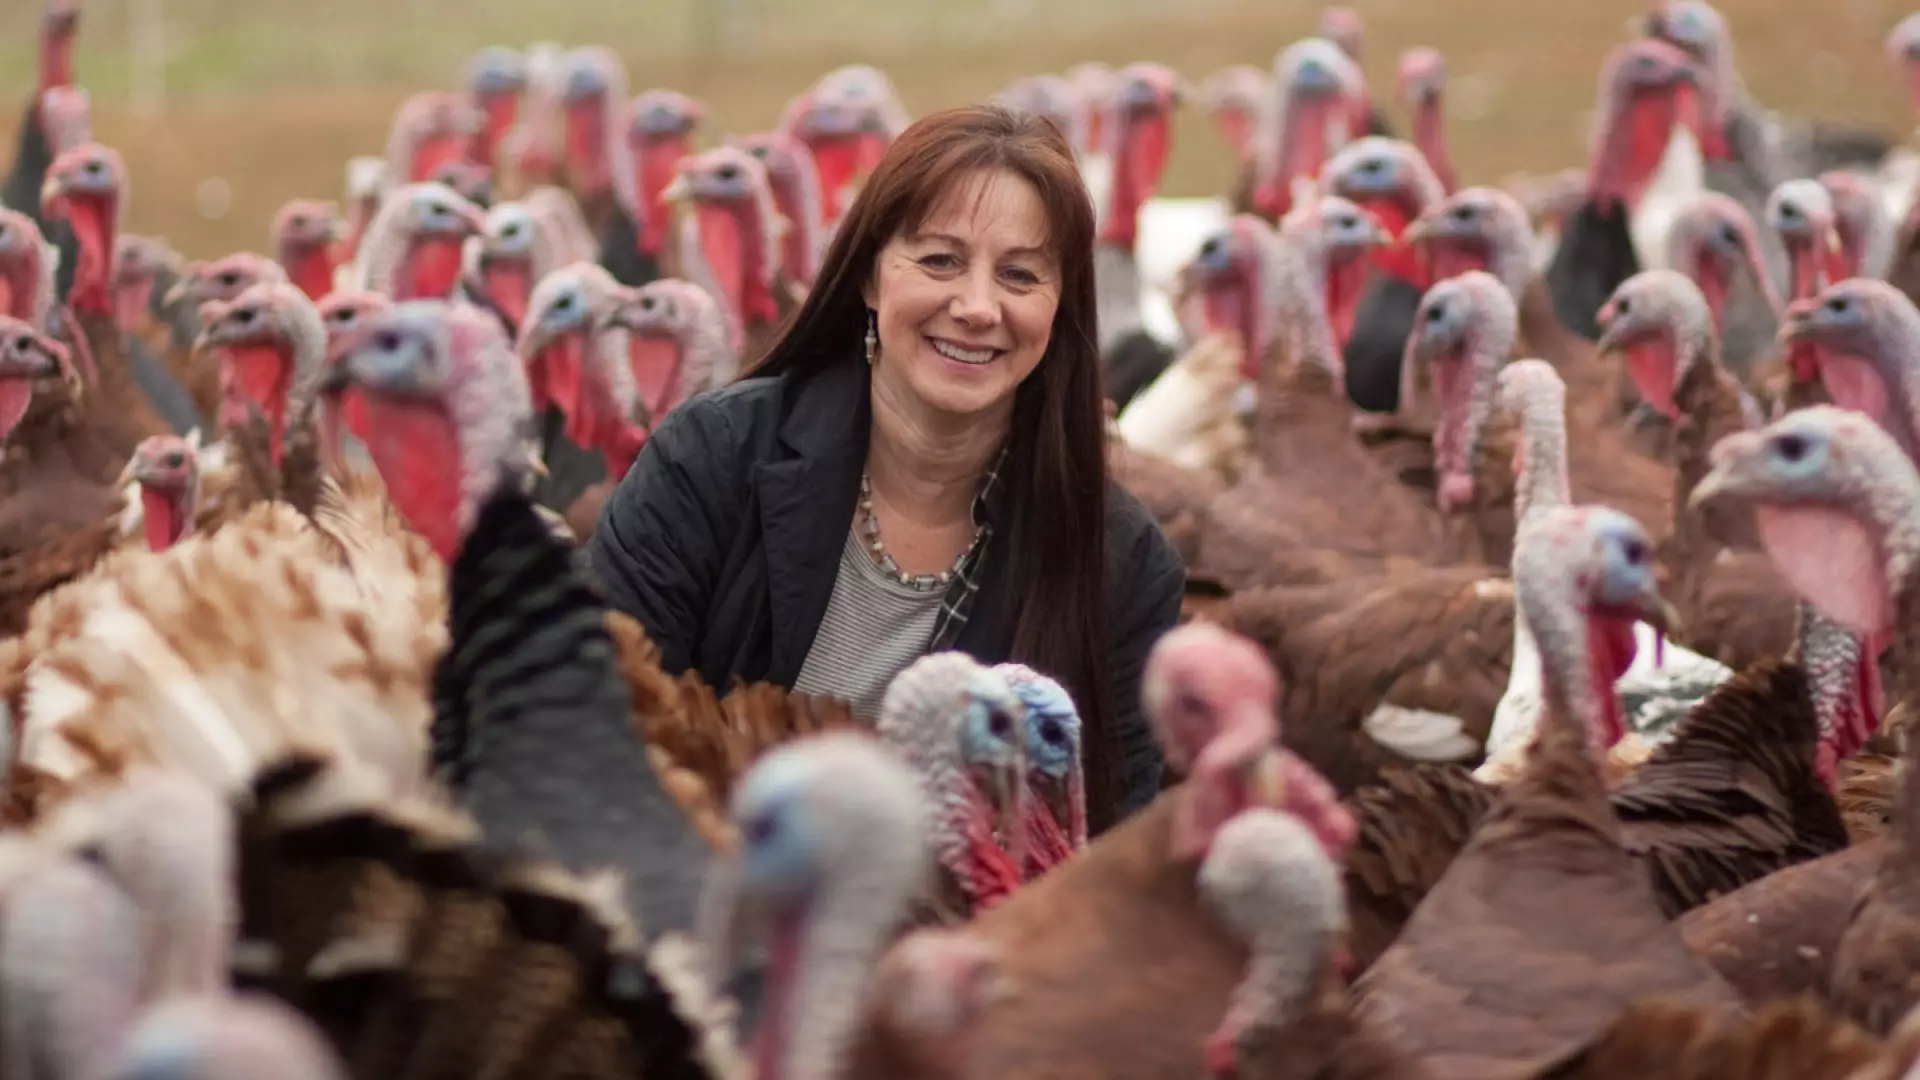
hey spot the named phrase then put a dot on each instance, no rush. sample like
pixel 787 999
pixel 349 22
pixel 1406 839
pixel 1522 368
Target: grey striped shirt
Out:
pixel 874 628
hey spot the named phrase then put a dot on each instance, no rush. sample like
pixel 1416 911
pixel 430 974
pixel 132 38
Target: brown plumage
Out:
pixel 1310 487
pixel 1776 937
pixel 1413 822
pixel 1543 929
pixel 701 743
pixel 1731 798
pixel 1177 497
pixel 1438 640
pixel 1663 1040
pixel 1734 795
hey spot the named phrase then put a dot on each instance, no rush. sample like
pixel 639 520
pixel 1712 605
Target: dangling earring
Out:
pixel 873 334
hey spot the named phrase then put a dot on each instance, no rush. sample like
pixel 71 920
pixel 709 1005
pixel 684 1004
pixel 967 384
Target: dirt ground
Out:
pixel 267 98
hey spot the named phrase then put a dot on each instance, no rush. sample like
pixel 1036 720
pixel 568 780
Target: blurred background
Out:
pixel 226 108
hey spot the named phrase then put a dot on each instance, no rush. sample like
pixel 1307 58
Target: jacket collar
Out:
pixel 828 411
pixel 806 506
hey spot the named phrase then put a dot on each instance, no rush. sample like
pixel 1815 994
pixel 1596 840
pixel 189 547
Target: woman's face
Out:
pixel 966 304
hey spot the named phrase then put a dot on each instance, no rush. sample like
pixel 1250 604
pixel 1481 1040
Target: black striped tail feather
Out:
pixel 420 954
pixel 533 726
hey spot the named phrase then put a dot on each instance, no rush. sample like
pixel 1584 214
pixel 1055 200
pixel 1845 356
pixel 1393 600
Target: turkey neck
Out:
pixel 1709 404
pixel 1561 786
pixel 1303 407
pixel 1543 463
pixel 842 936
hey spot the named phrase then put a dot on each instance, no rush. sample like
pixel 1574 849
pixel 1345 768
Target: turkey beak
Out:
pixel 1654 610
pixel 679 189
pixel 1728 475
pixel 334 380
pixel 1611 331
pixel 1264 779
pixel 1421 229
pixel 183 289
pixel 1797 325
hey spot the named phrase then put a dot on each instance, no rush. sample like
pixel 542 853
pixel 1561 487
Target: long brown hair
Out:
pixel 1048 555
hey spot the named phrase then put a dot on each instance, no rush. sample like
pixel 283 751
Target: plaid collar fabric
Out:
pixel 958 602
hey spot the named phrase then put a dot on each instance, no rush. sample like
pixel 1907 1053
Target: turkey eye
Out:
pixel 1461 213
pixel 1791 447
pixel 173 460
pixel 760 829
pixel 228 279
pixel 1837 305
pixel 386 341
pixel 1789 211
pixel 1436 313
pixel 1636 552
pixel 727 173
pixel 1622 306
pixel 243 316
pixel 1052 733
pixel 510 232
pixel 999 724
pixel 1728 235
pixel 648 303
pixel 1211 248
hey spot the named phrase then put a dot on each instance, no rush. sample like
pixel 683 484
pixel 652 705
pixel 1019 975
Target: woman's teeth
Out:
pixel 964 356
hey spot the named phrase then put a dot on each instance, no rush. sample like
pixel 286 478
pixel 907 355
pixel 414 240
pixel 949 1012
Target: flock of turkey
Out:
pixel 1540 710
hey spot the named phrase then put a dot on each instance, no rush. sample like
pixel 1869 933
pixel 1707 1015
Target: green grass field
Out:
pixel 267 98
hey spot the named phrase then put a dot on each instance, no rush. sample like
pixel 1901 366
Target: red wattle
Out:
pixel 417 449
pixel 430 271
pixel 312 272
pixel 659 161
pixel 655 363
pixel 837 159
pixel 509 284
pixel 16 394
pixel 586 146
pixel 258 374
pixel 161 516
pixel 1650 364
pixel 723 242
pixel 432 153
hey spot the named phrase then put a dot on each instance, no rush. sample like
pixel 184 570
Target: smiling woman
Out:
pixel 917 464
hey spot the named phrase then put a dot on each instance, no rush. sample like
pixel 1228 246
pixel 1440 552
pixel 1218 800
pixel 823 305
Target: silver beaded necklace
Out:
pixel 878 548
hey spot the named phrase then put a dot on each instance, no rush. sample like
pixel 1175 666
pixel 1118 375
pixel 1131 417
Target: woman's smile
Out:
pixel 960 353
